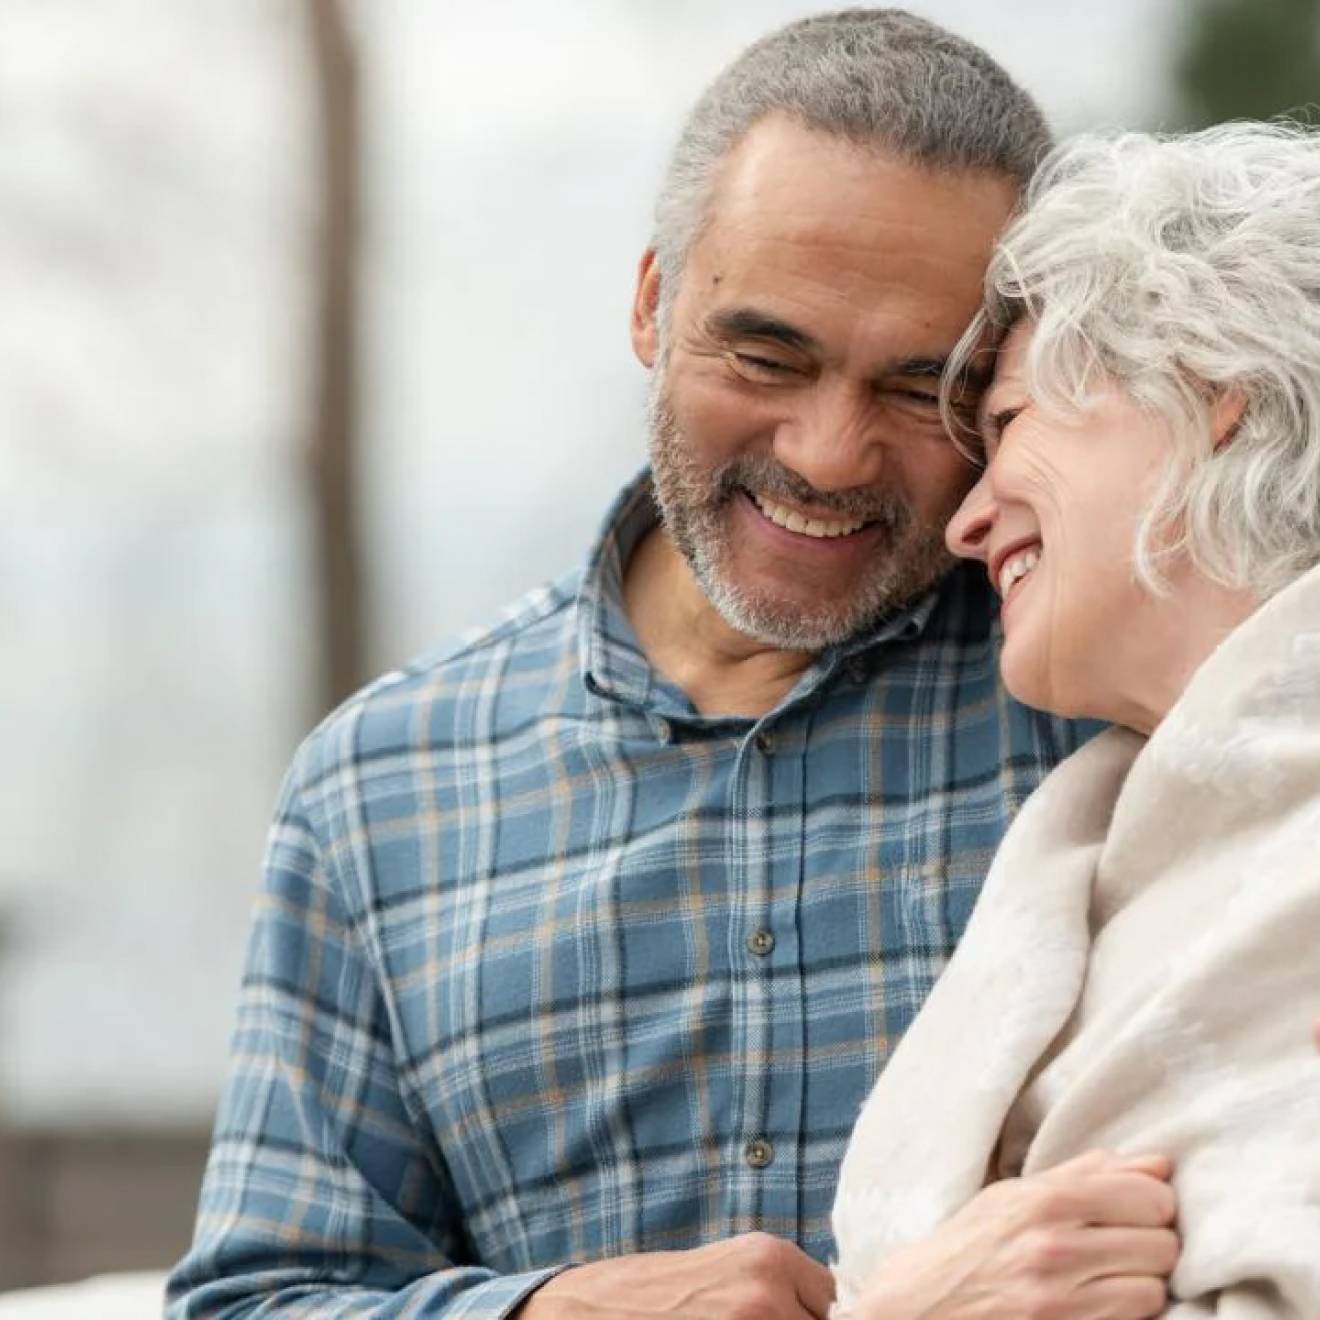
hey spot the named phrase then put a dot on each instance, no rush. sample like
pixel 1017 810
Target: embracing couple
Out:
pixel 582 945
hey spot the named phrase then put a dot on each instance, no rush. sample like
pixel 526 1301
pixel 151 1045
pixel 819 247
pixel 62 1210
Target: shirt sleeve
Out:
pixel 322 1195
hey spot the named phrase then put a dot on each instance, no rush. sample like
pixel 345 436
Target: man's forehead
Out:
pixel 779 149
pixel 781 166
pixel 848 228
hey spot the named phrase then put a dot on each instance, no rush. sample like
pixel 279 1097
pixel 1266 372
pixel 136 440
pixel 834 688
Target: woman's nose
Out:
pixel 969 528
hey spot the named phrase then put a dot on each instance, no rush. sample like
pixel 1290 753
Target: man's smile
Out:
pixel 805 524
pixel 808 536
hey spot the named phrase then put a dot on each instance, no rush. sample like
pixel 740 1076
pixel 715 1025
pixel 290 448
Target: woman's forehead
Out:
pixel 1011 357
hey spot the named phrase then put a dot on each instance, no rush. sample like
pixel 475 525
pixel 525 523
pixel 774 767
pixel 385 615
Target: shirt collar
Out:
pixel 613 665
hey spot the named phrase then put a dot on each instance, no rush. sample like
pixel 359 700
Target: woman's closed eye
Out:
pixel 993 426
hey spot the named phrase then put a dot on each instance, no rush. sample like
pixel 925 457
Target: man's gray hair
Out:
pixel 1185 269
pixel 881 78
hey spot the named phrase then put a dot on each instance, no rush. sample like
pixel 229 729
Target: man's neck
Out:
pixel 722 671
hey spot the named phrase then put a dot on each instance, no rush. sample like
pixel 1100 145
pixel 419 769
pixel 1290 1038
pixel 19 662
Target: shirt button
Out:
pixel 760 942
pixel 765 742
pixel 759 1153
pixel 664 731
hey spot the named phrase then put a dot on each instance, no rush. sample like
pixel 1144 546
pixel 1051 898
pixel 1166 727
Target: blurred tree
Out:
pixel 333 468
pixel 1247 59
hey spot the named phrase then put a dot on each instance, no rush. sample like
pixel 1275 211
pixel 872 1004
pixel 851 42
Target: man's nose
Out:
pixel 833 440
pixel 968 532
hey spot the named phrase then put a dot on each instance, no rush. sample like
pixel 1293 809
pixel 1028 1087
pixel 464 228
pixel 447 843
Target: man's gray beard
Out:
pixel 910 556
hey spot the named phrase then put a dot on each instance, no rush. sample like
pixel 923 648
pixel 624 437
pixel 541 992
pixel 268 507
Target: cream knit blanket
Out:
pixel 1140 974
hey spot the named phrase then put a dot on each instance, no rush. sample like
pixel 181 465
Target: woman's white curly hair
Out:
pixel 1184 268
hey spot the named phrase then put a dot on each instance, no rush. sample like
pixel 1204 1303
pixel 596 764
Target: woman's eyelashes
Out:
pixel 993 426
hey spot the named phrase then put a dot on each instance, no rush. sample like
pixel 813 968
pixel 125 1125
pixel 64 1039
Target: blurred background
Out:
pixel 313 353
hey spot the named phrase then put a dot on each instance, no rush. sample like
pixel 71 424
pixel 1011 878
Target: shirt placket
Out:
pixel 765 879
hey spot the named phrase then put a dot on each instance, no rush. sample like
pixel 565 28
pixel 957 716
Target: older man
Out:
pixel 581 943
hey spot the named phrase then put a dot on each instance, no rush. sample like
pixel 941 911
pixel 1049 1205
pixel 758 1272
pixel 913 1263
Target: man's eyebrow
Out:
pixel 748 323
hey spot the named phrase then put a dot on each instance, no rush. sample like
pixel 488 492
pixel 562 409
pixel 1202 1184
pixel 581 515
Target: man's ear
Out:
pixel 1225 415
pixel 645 323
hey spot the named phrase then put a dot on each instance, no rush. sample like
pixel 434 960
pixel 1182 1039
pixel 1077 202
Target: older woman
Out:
pixel 1142 968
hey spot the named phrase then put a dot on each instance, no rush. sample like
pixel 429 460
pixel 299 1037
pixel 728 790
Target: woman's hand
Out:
pixel 1089 1240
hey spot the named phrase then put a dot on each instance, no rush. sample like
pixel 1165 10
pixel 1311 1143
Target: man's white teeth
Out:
pixel 782 516
pixel 1016 567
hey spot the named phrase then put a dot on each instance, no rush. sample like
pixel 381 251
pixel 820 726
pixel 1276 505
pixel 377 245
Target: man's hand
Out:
pixel 753 1277
pixel 1089 1240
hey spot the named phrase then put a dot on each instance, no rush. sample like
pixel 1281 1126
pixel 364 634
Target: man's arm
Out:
pixel 750 1277
pixel 322 1194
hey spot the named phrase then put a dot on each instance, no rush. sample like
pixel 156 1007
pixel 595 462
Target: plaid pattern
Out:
pixel 549 967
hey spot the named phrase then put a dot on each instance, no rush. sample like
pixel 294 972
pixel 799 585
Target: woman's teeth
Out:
pixel 1017 567
pixel 823 528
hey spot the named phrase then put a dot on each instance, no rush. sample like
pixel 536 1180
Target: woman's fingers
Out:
pixel 1105 1252
pixel 1131 1200
pixel 1120 1299
pixel 1157 1166
pixel 1112 1190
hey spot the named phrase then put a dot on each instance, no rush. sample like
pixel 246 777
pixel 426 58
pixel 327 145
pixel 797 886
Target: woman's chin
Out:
pixel 1028 688
pixel 1023 683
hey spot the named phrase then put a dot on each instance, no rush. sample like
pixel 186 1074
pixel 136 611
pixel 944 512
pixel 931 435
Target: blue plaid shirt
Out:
pixel 547 966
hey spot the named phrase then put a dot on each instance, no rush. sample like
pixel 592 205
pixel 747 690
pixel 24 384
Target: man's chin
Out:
pixel 804 620
pixel 790 624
